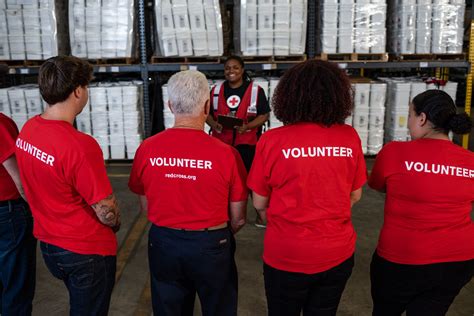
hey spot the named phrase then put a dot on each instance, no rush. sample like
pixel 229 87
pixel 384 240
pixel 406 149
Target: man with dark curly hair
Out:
pixel 305 178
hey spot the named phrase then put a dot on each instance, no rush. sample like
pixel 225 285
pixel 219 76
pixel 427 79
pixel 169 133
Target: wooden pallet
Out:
pixel 23 63
pixel 353 57
pixel 187 60
pixel 274 59
pixel 427 57
pixel 113 61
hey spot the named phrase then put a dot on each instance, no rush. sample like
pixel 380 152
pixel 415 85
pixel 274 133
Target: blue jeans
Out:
pixel 89 279
pixel 17 259
pixel 185 262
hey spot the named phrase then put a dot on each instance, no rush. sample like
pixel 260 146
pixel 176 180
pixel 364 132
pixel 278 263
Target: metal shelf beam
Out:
pixel 173 67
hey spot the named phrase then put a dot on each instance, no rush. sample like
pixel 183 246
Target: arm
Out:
pixel 213 124
pixel 237 215
pixel 107 212
pixel 12 168
pixel 256 122
pixel 260 203
pixel 355 196
pixel 143 203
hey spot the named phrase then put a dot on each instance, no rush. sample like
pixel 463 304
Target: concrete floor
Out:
pixel 131 295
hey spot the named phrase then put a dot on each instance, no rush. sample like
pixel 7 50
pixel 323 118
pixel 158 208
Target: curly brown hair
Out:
pixel 313 91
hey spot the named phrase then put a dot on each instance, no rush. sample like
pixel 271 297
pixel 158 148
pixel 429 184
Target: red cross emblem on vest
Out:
pixel 233 101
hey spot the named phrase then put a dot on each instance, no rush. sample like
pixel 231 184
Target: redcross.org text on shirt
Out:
pixel 180 176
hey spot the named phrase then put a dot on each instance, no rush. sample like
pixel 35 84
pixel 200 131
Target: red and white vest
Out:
pixel 246 111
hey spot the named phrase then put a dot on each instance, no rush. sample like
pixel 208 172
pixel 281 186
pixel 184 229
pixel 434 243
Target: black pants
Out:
pixel 289 293
pixel 183 263
pixel 247 152
pixel 420 290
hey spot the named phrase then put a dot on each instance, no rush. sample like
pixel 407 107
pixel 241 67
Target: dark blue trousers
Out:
pixel 17 259
pixel 183 263
pixel 89 279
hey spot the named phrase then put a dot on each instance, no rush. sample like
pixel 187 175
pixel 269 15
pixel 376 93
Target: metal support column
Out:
pixel 469 79
pixel 311 29
pixel 144 67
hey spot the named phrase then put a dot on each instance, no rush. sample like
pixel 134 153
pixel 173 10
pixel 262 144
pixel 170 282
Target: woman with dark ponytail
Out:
pixel 425 253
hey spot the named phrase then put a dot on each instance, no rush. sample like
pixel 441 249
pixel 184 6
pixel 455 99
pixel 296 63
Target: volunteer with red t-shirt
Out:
pixel 18 246
pixel 305 177
pixel 70 195
pixel 425 253
pixel 242 98
pixel 191 185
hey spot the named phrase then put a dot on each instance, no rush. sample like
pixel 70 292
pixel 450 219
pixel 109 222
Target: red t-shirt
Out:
pixel 8 134
pixel 63 173
pixel 430 190
pixel 188 178
pixel 308 172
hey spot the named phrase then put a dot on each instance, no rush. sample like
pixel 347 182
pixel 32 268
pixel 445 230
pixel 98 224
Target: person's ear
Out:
pixel 422 119
pixel 170 107
pixel 77 92
pixel 207 107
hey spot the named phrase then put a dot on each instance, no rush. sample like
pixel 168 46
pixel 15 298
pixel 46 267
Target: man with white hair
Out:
pixel 193 188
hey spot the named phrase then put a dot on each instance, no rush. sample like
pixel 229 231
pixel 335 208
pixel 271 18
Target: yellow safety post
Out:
pixel 469 79
pixel 445 74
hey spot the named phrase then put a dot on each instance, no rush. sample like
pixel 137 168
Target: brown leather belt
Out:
pixel 217 227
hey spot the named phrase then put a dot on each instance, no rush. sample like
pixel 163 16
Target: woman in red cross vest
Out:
pixel 241 98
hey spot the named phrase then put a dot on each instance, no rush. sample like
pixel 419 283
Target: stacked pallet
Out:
pixel 28 30
pixel 101 29
pixel 348 26
pixel 368 114
pixel 426 26
pixel 188 28
pixel 21 103
pixel 400 92
pixel 113 118
pixel 270 27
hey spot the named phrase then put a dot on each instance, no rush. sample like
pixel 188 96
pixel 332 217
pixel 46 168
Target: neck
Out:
pixel 436 135
pixel 59 112
pixel 191 122
pixel 236 84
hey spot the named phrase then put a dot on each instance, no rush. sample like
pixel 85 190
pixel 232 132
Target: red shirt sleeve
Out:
pixel 378 176
pixel 8 135
pixel 135 183
pixel 361 171
pixel 90 176
pixel 238 189
pixel 257 180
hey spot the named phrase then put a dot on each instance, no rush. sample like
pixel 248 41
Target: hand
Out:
pixel 241 129
pixel 218 128
pixel 118 223
pixel 107 211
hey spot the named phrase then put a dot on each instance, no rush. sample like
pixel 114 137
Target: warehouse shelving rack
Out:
pixel 146 69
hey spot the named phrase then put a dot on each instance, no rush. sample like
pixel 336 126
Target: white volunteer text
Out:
pixel 304 152
pixel 439 169
pixel 181 163
pixel 35 152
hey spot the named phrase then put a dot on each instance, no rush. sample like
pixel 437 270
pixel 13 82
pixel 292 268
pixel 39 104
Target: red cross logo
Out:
pixel 233 101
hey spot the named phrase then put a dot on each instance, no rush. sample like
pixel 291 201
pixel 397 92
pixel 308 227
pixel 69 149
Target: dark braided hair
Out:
pixel 313 91
pixel 441 111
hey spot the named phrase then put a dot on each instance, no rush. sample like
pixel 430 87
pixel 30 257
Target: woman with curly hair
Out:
pixel 305 177
pixel 425 254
